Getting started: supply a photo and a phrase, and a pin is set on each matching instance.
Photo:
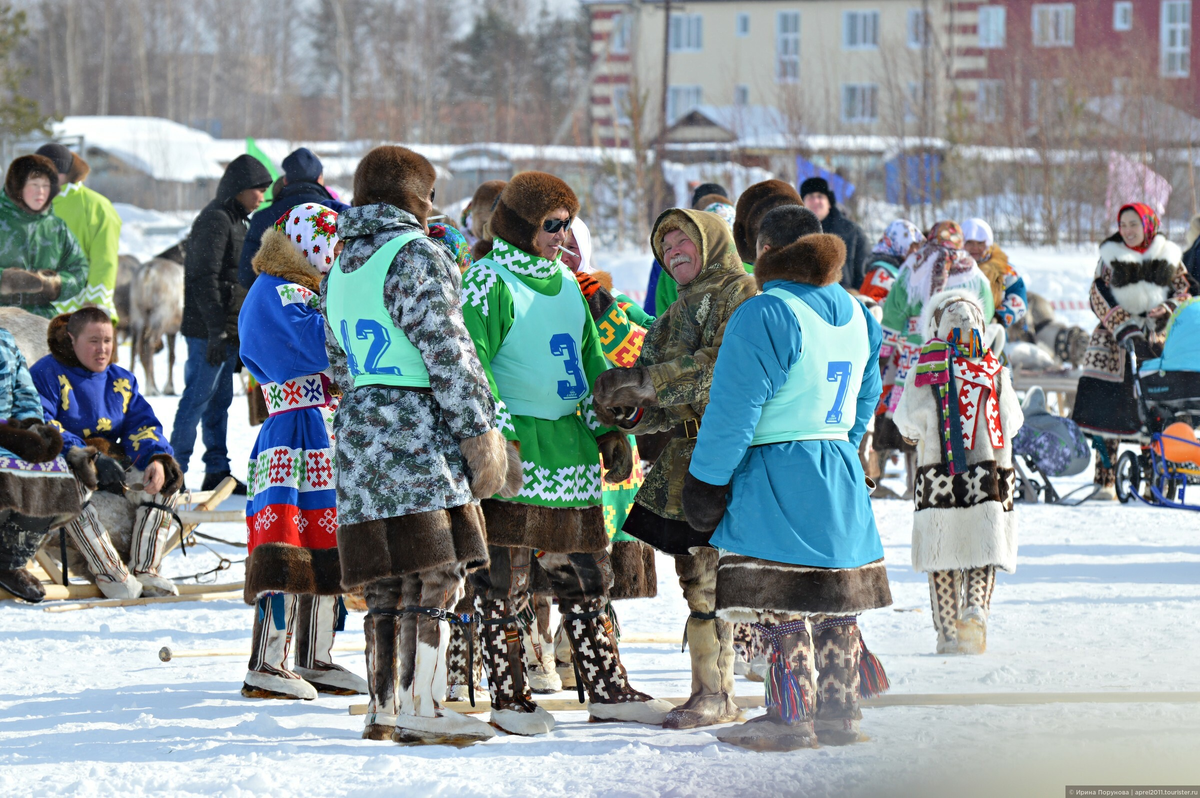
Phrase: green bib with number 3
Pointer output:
(377, 352)
(817, 403)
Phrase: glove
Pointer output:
(703, 504)
(30, 288)
(172, 473)
(617, 456)
(110, 476)
(618, 387)
(31, 440)
(218, 349)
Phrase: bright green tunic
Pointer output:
(95, 224)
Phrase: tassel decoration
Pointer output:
(872, 679)
(783, 690)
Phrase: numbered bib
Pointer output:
(377, 353)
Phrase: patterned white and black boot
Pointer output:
(91, 539)
(318, 618)
(268, 676)
(513, 709)
(151, 528)
(464, 656)
(838, 644)
(945, 595)
(600, 672)
(972, 626)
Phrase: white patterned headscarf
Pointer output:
(312, 229)
(898, 238)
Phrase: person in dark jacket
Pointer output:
(819, 198)
(304, 182)
(212, 298)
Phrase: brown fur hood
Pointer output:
(278, 257)
(525, 201)
(21, 170)
(79, 170)
(60, 342)
(815, 259)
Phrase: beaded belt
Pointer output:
(311, 390)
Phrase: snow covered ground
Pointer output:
(1105, 598)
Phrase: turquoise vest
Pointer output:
(538, 370)
(812, 404)
(377, 352)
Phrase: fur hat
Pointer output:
(57, 153)
(956, 307)
(525, 201)
(59, 341)
(815, 259)
(818, 185)
(704, 192)
(395, 176)
(752, 206)
(25, 167)
(482, 205)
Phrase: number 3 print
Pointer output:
(563, 345)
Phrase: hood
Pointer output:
(583, 243)
(713, 239)
(243, 172)
(79, 169)
(60, 342)
(935, 321)
(815, 259)
(278, 257)
(20, 170)
(367, 220)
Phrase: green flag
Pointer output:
(261, 157)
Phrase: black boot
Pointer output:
(214, 478)
(22, 584)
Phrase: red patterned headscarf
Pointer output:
(1150, 223)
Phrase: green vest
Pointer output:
(538, 369)
(811, 405)
(377, 352)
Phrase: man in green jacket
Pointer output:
(94, 223)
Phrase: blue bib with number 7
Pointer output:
(538, 370)
(377, 353)
(818, 400)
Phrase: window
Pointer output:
(1122, 16)
(914, 98)
(990, 101)
(991, 26)
(860, 30)
(743, 24)
(621, 108)
(1046, 97)
(917, 29)
(741, 94)
(622, 33)
(860, 102)
(787, 46)
(687, 33)
(681, 99)
(1176, 38)
(1054, 25)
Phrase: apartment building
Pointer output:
(883, 67)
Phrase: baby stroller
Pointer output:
(1168, 392)
(1050, 446)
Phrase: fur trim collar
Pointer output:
(279, 258)
(1161, 249)
(19, 172)
(60, 342)
(815, 259)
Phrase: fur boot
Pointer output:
(538, 646)
(92, 541)
(268, 676)
(838, 643)
(563, 664)
(318, 618)
(972, 626)
(464, 658)
(151, 528)
(787, 724)
(610, 697)
(710, 642)
(513, 709)
(383, 599)
(945, 591)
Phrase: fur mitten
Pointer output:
(617, 456)
(703, 504)
(618, 387)
(31, 440)
(487, 462)
(35, 288)
(82, 460)
(514, 479)
(173, 474)
(110, 476)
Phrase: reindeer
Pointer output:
(155, 310)
(127, 269)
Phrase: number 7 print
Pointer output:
(839, 372)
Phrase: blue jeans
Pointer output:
(207, 395)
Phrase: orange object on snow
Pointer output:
(1178, 444)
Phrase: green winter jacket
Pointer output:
(37, 241)
(97, 227)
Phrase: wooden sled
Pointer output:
(203, 506)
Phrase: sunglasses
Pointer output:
(554, 225)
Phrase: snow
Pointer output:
(1104, 598)
(163, 149)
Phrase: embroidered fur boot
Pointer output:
(513, 709)
(318, 618)
(972, 626)
(945, 590)
(464, 657)
(837, 642)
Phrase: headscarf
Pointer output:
(722, 209)
(897, 238)
(941, 262)
(583, 244)
(1150, 223)
(312, 229)
(454, 242)
(978, 230)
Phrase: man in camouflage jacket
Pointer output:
(668, 389)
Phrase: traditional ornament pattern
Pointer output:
(311, 390)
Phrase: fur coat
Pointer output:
(964, 520)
